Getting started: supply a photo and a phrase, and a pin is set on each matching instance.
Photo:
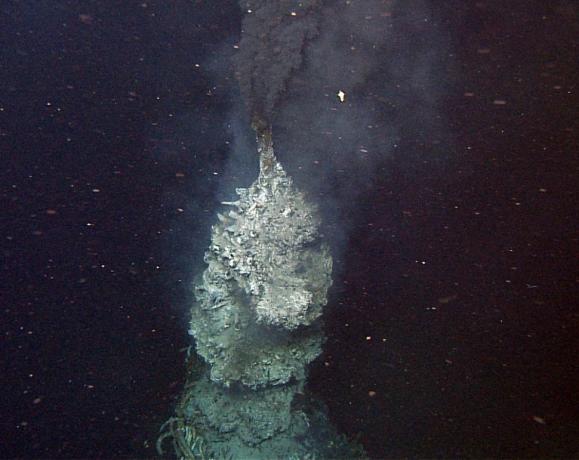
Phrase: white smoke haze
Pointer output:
(386, 56)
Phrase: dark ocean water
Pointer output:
(452, 324)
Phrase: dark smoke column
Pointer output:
(274, 36)
(256, 319)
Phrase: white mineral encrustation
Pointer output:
(268, 273)
(256, 324)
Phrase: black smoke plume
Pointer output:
(274, 35)
(389, 59)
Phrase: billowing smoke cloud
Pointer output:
(384, 56)
(274, 35)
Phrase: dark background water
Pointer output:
(452, 327)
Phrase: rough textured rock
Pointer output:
(267, 276)
(253, 416)
(256, 324)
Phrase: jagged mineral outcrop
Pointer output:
(268, 273)
(256, 325)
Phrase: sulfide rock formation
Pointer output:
(268, 272)
(256, 324)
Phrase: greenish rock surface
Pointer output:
(256, 321)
